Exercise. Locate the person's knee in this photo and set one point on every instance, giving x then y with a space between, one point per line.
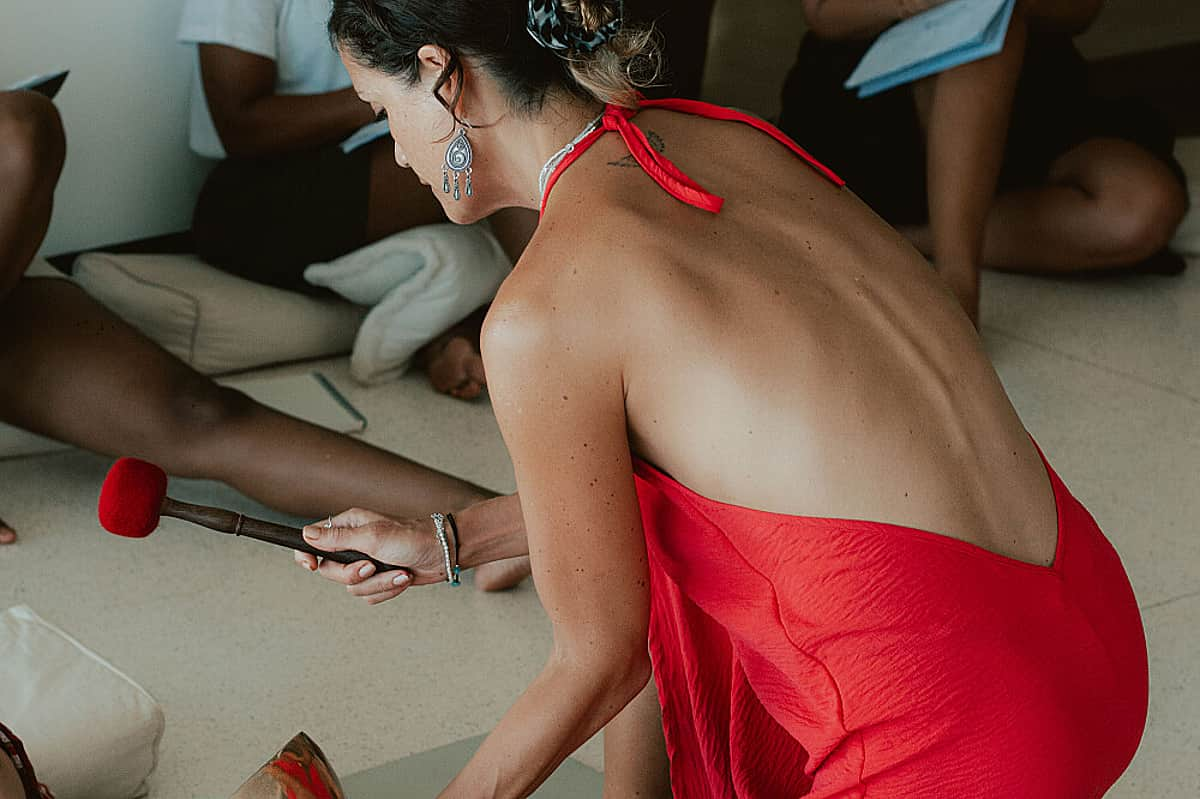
1144 217
32 142
200 414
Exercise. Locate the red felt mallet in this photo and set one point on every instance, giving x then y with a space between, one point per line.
134 499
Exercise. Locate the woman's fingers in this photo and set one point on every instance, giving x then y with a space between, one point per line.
340 538
306 561
346 573
381 598
384 583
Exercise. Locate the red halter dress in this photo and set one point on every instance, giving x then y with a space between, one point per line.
816 657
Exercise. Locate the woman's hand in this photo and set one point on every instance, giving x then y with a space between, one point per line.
411 545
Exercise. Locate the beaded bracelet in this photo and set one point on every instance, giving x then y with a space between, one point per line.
455 547
452 570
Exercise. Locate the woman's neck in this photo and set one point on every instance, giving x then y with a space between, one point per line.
523 145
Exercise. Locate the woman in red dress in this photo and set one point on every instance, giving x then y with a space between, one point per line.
751 427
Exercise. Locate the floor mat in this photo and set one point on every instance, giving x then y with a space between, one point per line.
427 773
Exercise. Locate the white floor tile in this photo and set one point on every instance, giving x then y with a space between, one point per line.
1130 452
1146 327
1168 764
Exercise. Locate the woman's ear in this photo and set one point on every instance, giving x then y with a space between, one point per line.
433 61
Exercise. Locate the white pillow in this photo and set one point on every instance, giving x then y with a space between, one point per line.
212 320
90 731
421 282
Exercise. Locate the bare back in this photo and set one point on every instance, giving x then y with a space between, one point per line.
793 353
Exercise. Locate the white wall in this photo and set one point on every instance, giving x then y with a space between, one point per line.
129 173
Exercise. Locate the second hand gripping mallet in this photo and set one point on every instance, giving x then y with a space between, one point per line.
134 499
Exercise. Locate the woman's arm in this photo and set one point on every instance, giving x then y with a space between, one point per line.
489 531
860 19
253 121
558 392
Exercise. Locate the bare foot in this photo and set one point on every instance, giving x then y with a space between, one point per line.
502 575
457 369
7 536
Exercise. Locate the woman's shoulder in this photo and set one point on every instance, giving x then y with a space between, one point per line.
569 289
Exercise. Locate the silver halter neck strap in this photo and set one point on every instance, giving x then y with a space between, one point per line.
558 157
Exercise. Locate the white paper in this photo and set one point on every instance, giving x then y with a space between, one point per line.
925 37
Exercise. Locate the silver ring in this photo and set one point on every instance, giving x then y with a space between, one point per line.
329 523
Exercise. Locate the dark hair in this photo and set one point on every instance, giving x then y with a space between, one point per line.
386 35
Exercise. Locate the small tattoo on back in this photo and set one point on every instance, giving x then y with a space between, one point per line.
629 161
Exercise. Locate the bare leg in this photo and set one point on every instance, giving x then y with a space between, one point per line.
94 381
32 152
1108 204
966 113
635 751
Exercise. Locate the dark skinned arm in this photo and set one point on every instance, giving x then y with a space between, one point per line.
253 121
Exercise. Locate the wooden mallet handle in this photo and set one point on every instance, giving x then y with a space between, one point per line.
227 521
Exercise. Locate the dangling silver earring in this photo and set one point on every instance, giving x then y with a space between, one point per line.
459 158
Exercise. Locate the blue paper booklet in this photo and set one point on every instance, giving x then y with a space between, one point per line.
954 33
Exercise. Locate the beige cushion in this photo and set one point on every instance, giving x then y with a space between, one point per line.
90 731
41 268
214 321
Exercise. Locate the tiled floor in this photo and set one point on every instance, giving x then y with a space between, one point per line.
244 649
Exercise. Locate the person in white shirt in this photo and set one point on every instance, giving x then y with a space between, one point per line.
272 102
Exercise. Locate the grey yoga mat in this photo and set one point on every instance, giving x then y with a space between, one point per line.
427 773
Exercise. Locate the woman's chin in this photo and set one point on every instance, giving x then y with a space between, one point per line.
462 212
